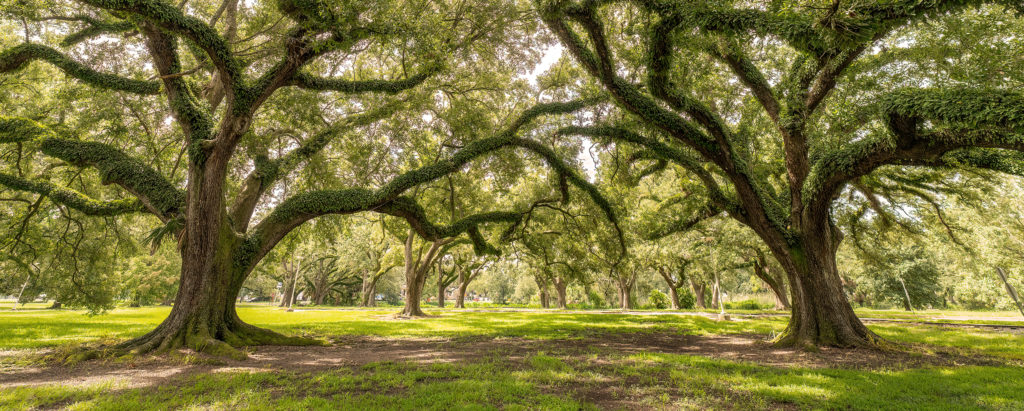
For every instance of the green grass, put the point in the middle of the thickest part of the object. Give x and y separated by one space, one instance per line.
555 378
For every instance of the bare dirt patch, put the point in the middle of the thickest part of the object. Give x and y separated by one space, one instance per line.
355 351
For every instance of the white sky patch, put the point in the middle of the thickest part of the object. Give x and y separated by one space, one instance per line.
551 56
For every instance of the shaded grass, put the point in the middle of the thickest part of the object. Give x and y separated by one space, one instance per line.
53 328
556 380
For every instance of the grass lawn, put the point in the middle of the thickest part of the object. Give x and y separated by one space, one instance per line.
512 360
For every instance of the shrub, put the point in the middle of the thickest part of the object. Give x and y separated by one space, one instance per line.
657 299
686 299
746 305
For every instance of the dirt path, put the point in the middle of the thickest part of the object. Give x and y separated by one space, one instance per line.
357 351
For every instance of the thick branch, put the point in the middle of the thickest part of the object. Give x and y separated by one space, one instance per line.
71 198
17 57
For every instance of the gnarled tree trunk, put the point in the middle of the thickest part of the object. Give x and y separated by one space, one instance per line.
821 313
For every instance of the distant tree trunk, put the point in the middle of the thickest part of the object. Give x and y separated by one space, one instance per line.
416 274
716 299
777 284
625 291
56 305
369 291
560 285
440 288
542 286
289 292
1010 290
699 288
672 286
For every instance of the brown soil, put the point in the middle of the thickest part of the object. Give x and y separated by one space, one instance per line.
356 351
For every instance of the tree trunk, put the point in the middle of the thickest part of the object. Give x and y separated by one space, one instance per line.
821 314
369 298
716 292
413 294
440 289
460 296
625 290
673 297
560 285
542 286
698 293
56 305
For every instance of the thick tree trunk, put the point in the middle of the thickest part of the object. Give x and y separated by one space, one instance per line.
56 305
460 298
821 314
560 285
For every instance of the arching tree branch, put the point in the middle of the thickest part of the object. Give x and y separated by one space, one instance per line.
17 57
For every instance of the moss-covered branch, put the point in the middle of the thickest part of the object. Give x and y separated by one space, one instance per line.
17 57
114 166
310 82
962 121
71 198
389 198
95 27
170 18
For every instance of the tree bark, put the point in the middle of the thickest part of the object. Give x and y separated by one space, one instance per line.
542 287
369 291
820 313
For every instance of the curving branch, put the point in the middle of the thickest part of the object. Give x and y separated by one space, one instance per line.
309 82
94 27
17 57
172 19
71 198
966 124
157 194
268 171
388 199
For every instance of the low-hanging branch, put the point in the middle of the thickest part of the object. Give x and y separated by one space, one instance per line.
157 194
71 198
18 57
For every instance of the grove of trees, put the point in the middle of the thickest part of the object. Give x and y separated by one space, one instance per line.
820 154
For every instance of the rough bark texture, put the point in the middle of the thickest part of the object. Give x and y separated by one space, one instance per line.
821 313
625 291
762 270
673 285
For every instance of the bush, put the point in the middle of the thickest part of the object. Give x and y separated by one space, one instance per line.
747 305
686 299
595 299
657 299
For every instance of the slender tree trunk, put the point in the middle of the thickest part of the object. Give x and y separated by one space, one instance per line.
673 295
716 293
560 285
369 293
440 289
542 286
460 296
821 313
